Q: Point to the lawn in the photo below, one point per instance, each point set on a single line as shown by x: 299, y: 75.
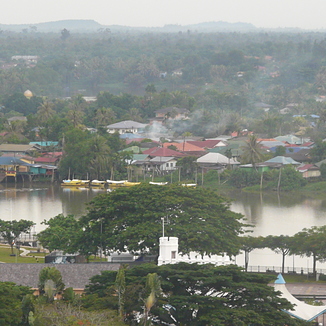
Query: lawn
x: 5, y: 257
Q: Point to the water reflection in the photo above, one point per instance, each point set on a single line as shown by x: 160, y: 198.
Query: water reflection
x: 285, y: 214
x: 272, y: 214
x: 40, y: 203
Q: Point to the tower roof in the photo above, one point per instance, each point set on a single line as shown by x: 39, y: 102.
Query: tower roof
x: 280, y: 279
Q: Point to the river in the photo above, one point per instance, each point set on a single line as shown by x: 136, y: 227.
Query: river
x: 270, y: 213
x: 277, y: 214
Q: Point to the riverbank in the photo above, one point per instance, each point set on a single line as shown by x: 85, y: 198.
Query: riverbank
x: 311, y: 190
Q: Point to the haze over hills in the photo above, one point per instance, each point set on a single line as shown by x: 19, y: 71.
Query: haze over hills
x: 89, y: 26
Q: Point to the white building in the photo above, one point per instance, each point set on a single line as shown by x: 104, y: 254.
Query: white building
x: 127, y: 126
x: 169, y: 254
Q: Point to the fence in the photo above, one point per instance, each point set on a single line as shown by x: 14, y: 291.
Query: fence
x: 25, y: 238
x: 287, y: 270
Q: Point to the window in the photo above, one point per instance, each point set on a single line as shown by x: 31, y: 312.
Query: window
x: 173, y: 254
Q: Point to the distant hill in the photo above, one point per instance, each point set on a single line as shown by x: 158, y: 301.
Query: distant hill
x: 56, y: 26
x: 89, y: 26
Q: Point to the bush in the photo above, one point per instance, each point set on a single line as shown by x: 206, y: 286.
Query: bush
x: 290, y: 179
x: 241, y: 178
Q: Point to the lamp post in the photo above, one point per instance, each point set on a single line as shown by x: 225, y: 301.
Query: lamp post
x: 162, y: 218
x: 17, y: 251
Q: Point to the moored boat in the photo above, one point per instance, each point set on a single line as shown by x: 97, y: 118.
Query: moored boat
x: 71, y: 183
x: 85, y: 183
x: 130, y: 184
x: 115, y: 184
x: 98, y: 183
x: 189, y: 184
x: 158, y: 183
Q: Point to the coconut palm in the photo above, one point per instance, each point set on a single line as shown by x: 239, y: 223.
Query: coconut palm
x: 252, y: 151
x: 104, y: 116
x: 45, y: 111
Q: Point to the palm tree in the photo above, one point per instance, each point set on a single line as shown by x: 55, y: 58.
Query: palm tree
x: 45, y: 111
x: 101, y: 156
x: 185, y: 135
x: 104, y: 116
x: 153, y: 287
x: 252, y: 151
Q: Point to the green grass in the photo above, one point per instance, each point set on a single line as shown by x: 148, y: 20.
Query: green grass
x: 5, y: 257
x: 315, y: 186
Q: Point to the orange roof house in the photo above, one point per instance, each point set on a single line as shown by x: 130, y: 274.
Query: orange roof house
x: 159, y: 151
x: 208, y: 143
x: 185, y: 147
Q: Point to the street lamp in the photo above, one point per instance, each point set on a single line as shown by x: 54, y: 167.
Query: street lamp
x: 162, y: 218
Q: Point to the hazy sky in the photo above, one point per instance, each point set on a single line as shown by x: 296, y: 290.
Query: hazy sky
x: 308, y: 14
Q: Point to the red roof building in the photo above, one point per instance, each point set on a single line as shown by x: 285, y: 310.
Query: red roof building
x: 159, y: 151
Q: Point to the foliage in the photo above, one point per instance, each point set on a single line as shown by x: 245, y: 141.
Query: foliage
x: 311, y: 243
x: 248, y: 244
x: 252, y: 152
x: 323, y: 171
x: 120, y: 286
x: 280, y: 151
x: 206, y: 295
x: 290, y: 178
x: 86, y: 154
x: 61, y: 233
x: 50, y: 274
x: 130, y: 219
x: 318, y: 152
x: 241, y: 178
x: 11, y: 230
x: 281, y: 244
x: 11, y: 296
x: 188, y: 167
x: 62, y: 314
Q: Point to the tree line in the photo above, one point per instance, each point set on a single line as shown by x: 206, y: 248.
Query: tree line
x: 180, y: 294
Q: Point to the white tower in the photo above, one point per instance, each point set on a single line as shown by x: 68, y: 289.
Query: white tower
x: 169, y: 248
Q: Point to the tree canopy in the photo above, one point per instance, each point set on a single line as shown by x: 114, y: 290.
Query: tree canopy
x: 130, y: 219
x: 11, y: 296
x: 11, y: 230
x: 197, y: 295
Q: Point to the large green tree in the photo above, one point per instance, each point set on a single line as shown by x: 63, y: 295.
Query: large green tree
x: 280, y: 244
x: 248, y: 244
x: 197, y: 295
x: 60, y: 234
x: 11, y: 230
x: 130, y: 219
x: 311, y: 243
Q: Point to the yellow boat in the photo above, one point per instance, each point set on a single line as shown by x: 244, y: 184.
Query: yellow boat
x: 130, y: 184
x: 71, y: 183
x: 98, y: 183
x: 116, y: 184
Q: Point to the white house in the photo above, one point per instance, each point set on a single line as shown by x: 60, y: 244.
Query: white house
x: 211, y: 159
x: 163, y: 163
x: 169, y: 254
x: 127, y: 126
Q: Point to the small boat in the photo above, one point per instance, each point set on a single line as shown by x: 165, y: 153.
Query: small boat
x: 71, y: 183
x: 158, y: 183
x: 189, y: 184
x: 115, y: 184
x: 85, y: 183
x: 98, y: 183
x: 130, y: 184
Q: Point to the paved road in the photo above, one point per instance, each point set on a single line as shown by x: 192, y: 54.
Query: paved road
x: 307, y: 288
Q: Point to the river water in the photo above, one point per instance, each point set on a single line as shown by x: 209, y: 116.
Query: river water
x: 271, y: 214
